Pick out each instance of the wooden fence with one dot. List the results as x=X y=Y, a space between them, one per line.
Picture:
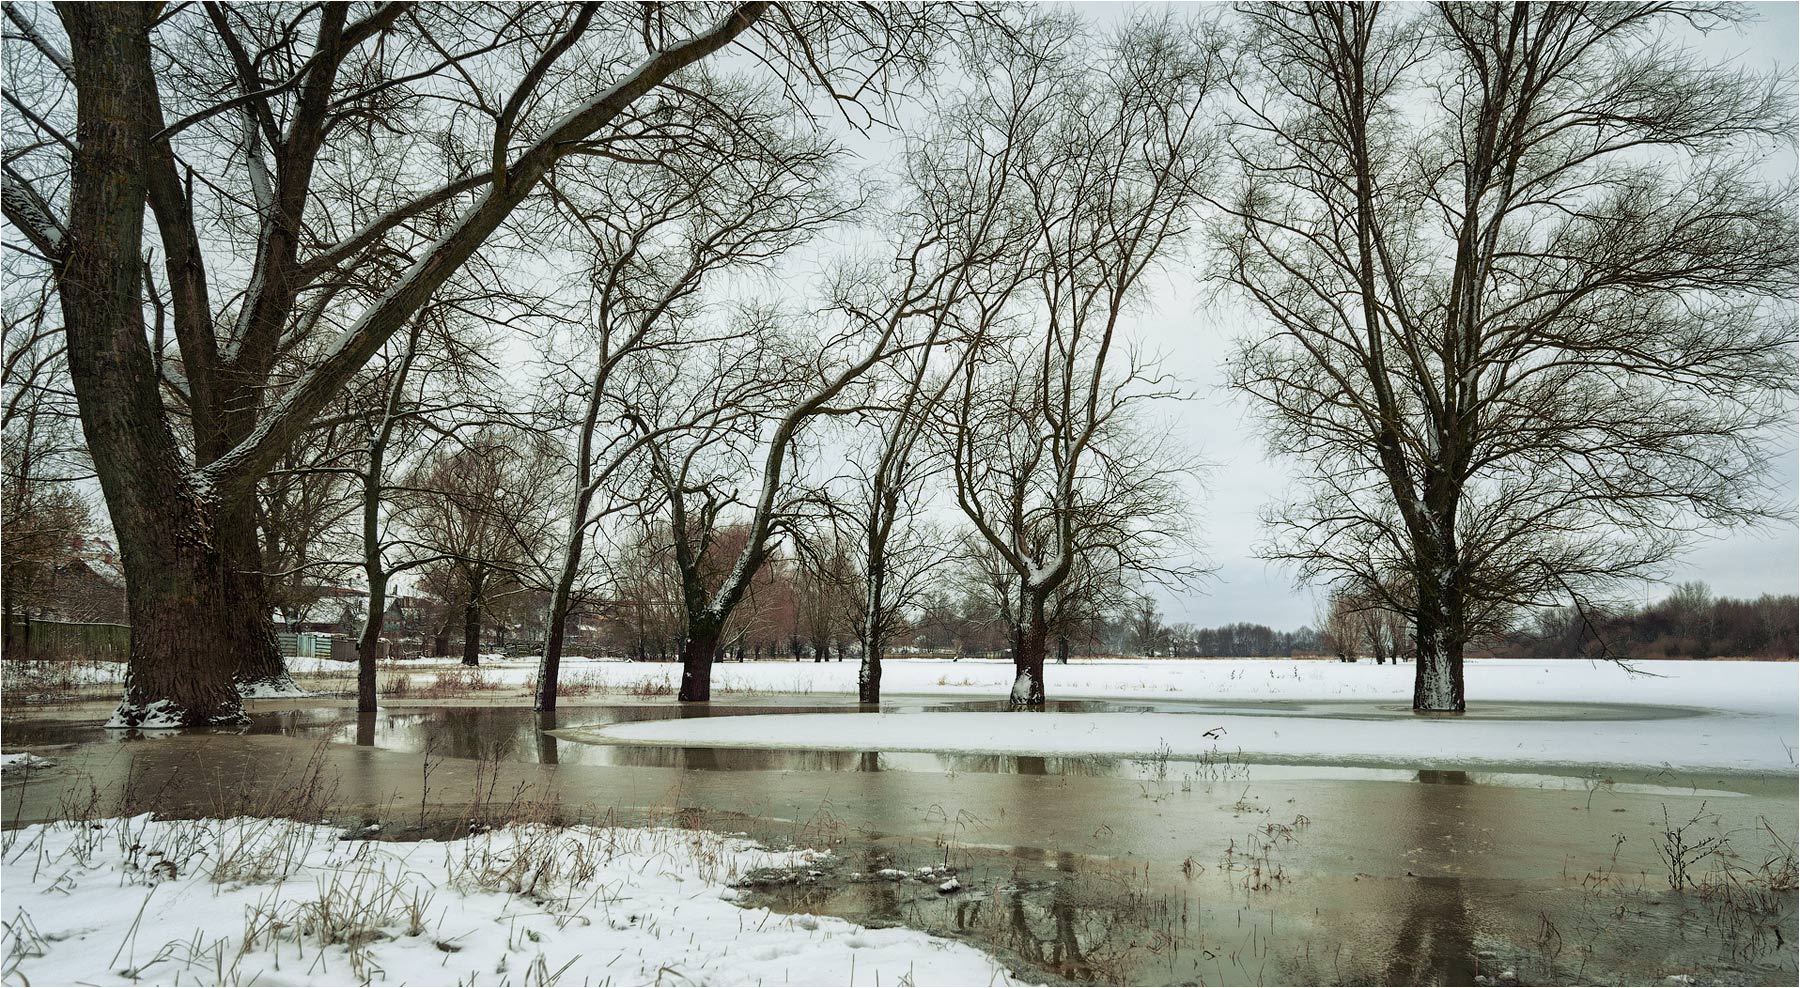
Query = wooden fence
x=28 y=638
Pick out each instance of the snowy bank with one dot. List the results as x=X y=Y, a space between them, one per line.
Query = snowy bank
x=1703 y=716
x=1710 y=744
x=273 y=902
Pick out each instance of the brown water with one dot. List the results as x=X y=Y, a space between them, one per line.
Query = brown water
x=1141 y=871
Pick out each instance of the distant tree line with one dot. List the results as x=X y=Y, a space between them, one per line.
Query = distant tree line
x=1690 y=624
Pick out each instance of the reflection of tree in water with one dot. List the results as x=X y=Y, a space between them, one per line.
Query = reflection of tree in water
x=478 y=733
x=546 y=742
x=1030 y=765
x=1434 y=936
x=700 y=759
x=1079 y=927
x=881 y=899
x=740 y=759
x=1062 y=952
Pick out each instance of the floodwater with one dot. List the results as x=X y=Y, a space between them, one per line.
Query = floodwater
x=1146 y=871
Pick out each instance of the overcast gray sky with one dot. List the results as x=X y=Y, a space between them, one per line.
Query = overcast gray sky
x=1193 y=330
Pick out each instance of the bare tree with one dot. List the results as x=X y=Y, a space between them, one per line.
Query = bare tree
x=483 y=503
x=1530 y=304
x=42 y=511
x=956 y=250
x=430 y=382
x=765 y=388
x=655 y=238
x=1147 y=629
x=644 y=592
x=1111 y=151
x=895 y=546
x=1341 y=626
x=823 y=580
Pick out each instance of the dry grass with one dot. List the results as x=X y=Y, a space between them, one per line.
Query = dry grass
x=44 y=681
x=458 y=681
x=349 y=897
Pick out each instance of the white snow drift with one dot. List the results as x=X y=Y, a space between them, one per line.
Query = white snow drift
x=1703 y=716
x=272 y=902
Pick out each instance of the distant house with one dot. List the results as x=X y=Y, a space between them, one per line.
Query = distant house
x=324 y=608
x=87 y=586
x=74 y=606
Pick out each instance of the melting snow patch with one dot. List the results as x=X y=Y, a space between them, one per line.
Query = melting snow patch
x=233 y=900
x=278 y=688
x=25 y=762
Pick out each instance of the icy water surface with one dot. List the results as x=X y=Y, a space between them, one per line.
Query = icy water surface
x=1151 y=871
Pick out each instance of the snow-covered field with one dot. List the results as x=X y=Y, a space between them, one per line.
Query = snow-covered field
x=273 y=902
x=1746 y=719
x=1764 y=686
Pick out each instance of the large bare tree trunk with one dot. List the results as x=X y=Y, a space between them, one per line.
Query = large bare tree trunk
x=185 y=641
x=1438 y=678
x=1438 y=639
x=471 y=655
x=868 y=676
x=260 y=670
x=1028 y=660
x=696 y=660
x=1438 y=668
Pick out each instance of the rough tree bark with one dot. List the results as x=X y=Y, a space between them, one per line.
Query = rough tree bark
x=471 y=653
x=1028 y=661
x=697 y=658
x=1440 y=632
x=186 y=638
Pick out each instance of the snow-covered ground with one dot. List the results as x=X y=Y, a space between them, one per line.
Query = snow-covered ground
x=1765 y=686
x=273 y=902
x=1727 y=716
